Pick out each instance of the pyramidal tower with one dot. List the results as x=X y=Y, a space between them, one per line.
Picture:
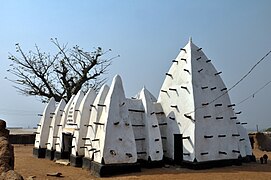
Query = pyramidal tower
x=198 y=110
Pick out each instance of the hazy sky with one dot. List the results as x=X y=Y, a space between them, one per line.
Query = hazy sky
x=147 y=34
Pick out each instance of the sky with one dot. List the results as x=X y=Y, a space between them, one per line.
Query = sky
x=147 y=34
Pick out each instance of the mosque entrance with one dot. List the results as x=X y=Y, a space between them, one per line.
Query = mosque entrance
x=178 y=148
x=67 y=145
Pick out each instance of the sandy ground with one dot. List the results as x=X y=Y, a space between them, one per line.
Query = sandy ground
x=27 y=166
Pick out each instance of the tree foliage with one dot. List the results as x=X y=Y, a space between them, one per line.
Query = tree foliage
x=58 y=75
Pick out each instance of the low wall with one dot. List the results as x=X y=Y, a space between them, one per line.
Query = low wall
x=22 y=138
x=260 y=141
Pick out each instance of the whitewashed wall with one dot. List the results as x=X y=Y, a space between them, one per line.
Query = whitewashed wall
x=42 y=132
x=61 y=125
x=116 y=139
x=53 y=128
x=153 y=136
x=96 y=111
x=82 y=120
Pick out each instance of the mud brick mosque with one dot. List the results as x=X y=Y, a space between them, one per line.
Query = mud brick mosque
x=192 y=123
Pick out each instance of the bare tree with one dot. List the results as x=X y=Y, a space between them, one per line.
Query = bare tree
x=60 y=75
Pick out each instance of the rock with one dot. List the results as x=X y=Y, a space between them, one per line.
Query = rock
x=3 y=131
x=6 y=155
x=11 y=175
x=64 y=162
x=2 y=124
x=56 y=174
x=31 y=178
x=6 y=159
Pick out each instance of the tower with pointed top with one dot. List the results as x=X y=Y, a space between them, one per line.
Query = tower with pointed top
x=196 y=104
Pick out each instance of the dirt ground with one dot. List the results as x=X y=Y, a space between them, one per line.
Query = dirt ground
x=27 y=166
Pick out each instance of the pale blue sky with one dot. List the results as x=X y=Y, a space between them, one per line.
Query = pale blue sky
x=148 y=35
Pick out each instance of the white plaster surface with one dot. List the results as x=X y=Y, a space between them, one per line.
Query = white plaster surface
x=190 y=89
x=53 y=128
x=139 y=127
x=245 y=146
x=116 y=139
x=162 y=120
x=177 y=98
x=94 y=117
x=73 y=112
x=43 y=126
x=62 y=124
x=82 y=119
x=211 y=126
x=153 y=136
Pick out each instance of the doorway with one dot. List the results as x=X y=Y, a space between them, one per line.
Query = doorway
x=67 y=145
x=178 y=148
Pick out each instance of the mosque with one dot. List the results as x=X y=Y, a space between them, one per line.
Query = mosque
x=191 y=123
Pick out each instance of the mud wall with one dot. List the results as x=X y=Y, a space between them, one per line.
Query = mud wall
x=260 y=141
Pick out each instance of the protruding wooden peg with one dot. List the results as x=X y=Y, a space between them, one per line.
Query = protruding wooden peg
x=116 y=123
x=200 y=70
x=174 y=61
x=186 y=70
x=182 y=49
x=208 y=136
x=170 y=75
x=213 y=88
x=222 y=152
x=129 y=155
x=172 y=89
x=174 y=106
x=231 y=105
x=187 y=116
x=164 y=91
x=171 y=118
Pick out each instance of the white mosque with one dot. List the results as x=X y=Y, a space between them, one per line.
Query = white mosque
x=192 y=123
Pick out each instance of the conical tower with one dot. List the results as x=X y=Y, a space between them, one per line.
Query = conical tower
x=115 y=142
x=53 y=129
x=201 y=123
x=42 y=132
